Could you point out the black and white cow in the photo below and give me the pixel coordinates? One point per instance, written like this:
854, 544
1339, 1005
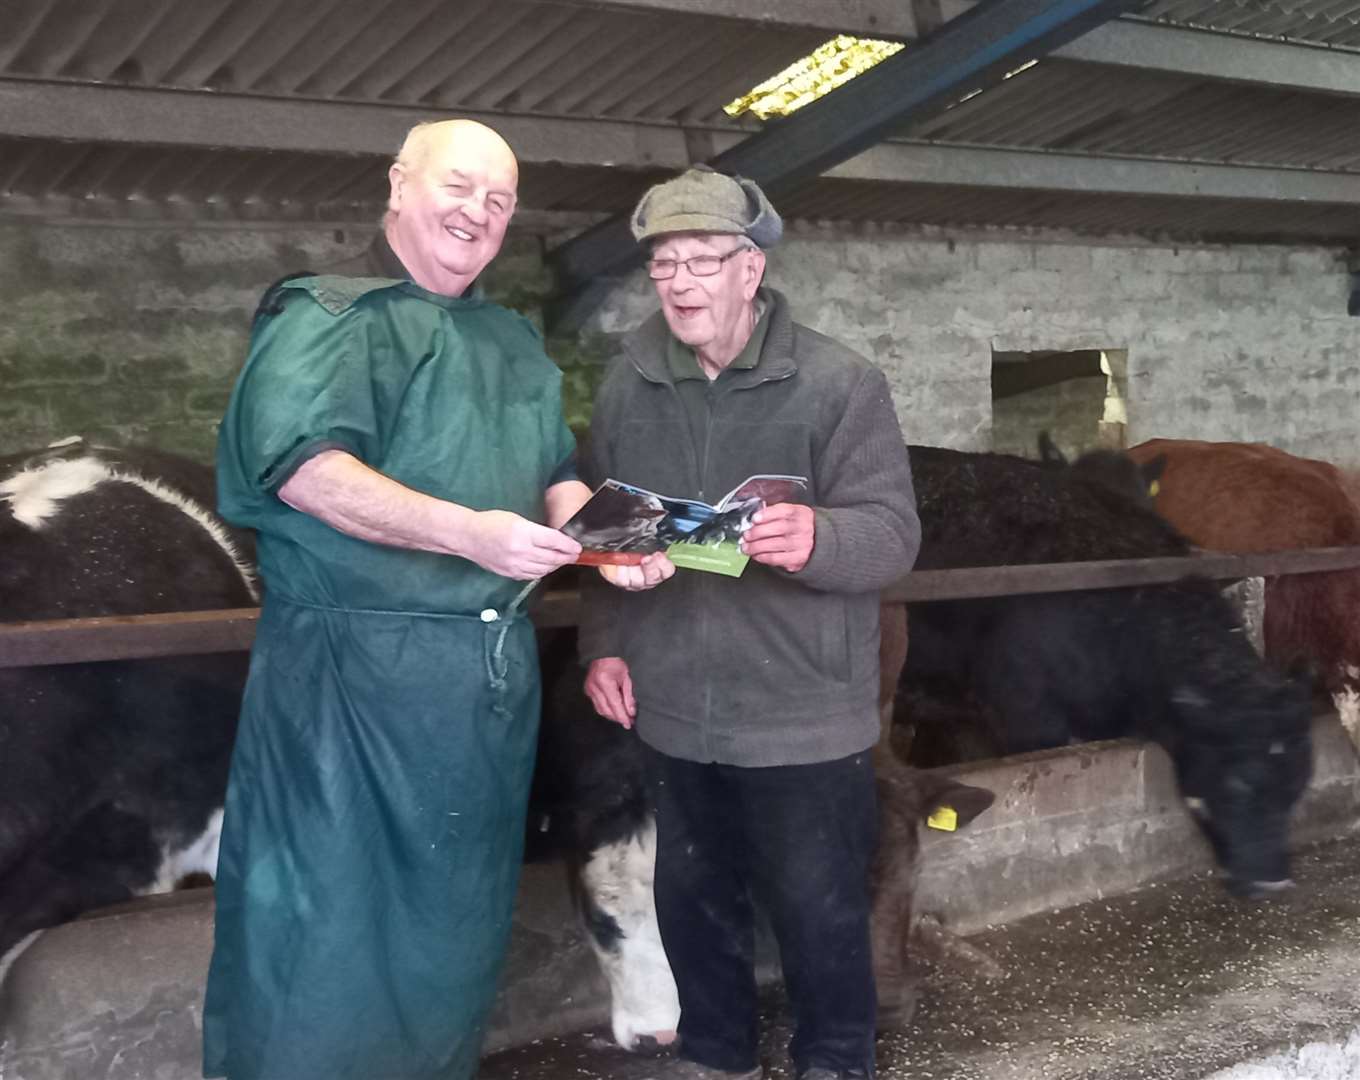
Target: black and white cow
1168, 663
111, 774
591, 780
589, 787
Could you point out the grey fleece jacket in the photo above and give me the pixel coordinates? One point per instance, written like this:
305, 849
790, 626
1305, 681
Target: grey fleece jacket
771, 668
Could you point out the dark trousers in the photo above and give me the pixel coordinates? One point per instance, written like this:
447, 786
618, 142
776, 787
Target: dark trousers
797, 839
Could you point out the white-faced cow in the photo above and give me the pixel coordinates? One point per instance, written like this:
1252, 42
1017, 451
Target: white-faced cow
111, 774
1167, 663
590, 776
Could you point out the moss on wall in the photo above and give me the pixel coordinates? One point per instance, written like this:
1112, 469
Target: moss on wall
134, 336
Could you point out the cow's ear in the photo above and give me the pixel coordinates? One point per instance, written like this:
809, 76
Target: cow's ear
1049, 453
952, 805
1152, 471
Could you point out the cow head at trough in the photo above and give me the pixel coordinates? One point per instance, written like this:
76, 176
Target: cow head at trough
1169, 663
907, 799
1243, 755
591, 772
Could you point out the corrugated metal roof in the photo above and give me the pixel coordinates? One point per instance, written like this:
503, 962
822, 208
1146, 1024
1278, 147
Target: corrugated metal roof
1061, 105
1203, 219
1324, 22
284, 185
59, 179
37, 169
546, 58
476, 55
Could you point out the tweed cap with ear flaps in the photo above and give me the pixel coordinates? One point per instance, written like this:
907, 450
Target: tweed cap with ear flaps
705, 201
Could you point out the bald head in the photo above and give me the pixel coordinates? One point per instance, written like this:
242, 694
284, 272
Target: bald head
453, 190
459, 138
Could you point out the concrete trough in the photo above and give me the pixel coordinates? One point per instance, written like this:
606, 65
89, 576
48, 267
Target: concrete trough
117, 995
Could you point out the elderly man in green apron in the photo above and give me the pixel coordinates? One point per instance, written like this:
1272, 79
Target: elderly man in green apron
397, 442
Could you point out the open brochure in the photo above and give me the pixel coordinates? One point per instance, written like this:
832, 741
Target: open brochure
621, 523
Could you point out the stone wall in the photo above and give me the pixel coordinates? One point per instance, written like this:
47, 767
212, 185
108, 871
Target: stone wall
1231, 343
134, 334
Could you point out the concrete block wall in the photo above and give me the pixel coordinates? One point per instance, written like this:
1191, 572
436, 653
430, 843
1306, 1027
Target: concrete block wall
135, 333
1224, 342
1098, 820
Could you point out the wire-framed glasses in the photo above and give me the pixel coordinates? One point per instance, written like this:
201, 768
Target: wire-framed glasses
697, 265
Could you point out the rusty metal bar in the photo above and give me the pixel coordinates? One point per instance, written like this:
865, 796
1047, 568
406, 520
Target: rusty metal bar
126, 637
974, 583
130, 637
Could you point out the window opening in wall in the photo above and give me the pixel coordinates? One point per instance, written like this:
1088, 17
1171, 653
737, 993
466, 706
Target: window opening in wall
1079, 398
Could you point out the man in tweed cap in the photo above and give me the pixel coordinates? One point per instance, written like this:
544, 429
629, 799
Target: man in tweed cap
755, 697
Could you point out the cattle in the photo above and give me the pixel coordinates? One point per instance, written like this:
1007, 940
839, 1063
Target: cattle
1168, 663
591, 770
1249, 497
1113, 470
112, 774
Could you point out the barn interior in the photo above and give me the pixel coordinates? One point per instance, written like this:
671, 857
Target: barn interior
1109, 220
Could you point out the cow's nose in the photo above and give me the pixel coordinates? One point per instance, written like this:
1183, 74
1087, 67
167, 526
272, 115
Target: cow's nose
659, 1043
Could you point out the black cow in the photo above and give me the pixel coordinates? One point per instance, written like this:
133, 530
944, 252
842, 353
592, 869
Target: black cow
1111, 469
111, 774
1167, 663
590, 805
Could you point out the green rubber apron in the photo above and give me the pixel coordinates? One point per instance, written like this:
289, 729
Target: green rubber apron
375, 813
366, 887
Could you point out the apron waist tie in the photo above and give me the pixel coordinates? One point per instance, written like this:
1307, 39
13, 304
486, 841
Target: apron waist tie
497, 625
496, 666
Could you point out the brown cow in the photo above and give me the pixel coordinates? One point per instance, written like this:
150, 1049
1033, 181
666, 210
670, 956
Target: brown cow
1249, 497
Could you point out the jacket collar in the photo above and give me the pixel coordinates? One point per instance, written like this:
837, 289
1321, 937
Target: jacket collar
378, 260
646, 346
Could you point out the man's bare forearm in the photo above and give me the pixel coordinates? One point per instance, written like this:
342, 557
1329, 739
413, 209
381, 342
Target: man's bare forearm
349, 496
563, 500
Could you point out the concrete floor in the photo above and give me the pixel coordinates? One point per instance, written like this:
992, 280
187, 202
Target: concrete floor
1170, 982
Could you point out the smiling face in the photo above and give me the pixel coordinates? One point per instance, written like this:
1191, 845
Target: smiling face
715, 315
453, 193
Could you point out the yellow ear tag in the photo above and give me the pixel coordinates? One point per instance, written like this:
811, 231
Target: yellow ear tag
1154, 487
945, 818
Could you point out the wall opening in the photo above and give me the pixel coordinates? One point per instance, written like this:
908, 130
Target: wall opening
1080, 398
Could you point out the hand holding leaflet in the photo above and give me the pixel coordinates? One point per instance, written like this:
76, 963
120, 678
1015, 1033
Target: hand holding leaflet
621, 523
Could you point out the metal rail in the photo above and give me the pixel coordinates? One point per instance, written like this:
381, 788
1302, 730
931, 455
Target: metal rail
131, 637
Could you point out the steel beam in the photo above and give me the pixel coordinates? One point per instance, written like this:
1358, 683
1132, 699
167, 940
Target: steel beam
130, 117
973, 51
83, 112
1205, 54
71, 212
1045, 170
862, 18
